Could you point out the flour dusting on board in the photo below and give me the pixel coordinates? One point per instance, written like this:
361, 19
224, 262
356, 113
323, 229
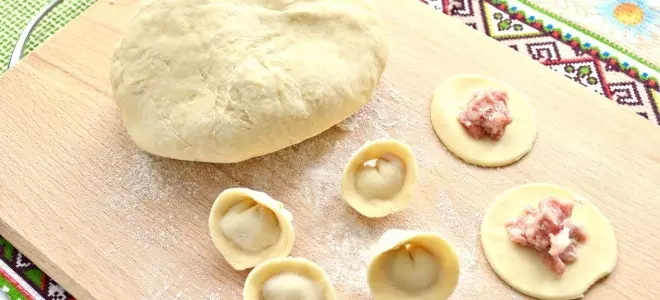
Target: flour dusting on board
466, 228
348, 240
346, 237
379, 113
152, 178
155, 185
351, 242
158, 210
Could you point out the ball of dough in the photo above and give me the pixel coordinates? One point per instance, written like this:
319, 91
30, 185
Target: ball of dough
410, 265
288, 279
379, 179
521, 267
291, 286
453, 96
224, 81
250, 227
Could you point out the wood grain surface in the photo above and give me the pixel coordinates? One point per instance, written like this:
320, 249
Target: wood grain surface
108, 221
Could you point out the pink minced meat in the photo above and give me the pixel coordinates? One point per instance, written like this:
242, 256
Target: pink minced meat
487, 114
550, 231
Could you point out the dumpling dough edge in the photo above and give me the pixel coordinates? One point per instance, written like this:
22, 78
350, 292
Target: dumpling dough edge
234, 256
435, 244
259, 275
375, 149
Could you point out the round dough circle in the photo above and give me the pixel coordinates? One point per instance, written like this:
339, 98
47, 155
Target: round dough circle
225, 81
390, 271
521, 267
452, 97
379, 149
259, 277
247, 227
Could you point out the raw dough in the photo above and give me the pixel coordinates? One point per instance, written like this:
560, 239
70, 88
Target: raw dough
288, 278
379, 178
249, 227
290, 286
412, 265
224, 81
521, 267
452, 97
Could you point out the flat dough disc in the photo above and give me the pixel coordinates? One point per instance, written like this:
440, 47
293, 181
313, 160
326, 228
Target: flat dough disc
452, 97
521, 267
256, 280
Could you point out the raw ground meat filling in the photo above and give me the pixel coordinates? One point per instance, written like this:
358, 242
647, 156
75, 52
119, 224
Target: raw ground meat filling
487, 114
550, 231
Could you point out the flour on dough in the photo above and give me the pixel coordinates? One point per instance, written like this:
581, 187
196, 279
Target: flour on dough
379, 179
521, 267
452, 97
288, 278
412, 265
249, 227
225, 81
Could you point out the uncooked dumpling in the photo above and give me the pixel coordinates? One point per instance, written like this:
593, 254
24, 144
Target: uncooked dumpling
249, 227
290, 286
224, 81
379, 178
451, 98
521, 267
288, 279
412, 266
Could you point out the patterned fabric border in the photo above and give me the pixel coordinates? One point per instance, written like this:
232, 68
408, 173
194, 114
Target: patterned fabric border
585, 40
21, 279
564, 47
10, 287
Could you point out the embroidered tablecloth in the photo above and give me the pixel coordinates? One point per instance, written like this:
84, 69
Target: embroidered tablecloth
612, 47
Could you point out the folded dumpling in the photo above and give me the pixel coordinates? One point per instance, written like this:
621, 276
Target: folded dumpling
290, 279
380, 178
412, 265
250, 227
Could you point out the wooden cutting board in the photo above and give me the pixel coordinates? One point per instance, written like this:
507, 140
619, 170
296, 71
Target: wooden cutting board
108, 221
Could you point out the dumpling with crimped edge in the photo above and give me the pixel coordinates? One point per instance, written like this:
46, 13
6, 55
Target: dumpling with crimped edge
410, 265
250, 227
288, 278
379, 179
